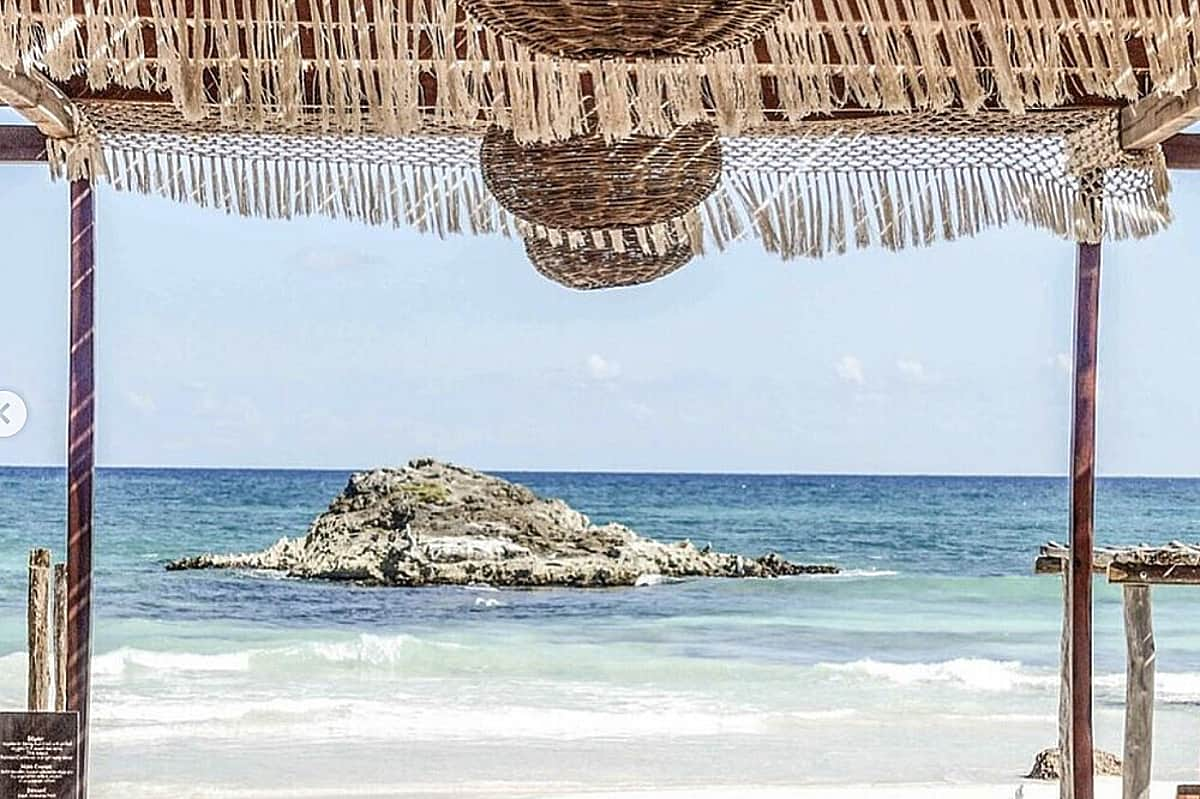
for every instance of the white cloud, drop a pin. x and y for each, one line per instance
(639, 410)
(600, 368)
(141, 402)
(850, 369)
(913, 370)
(1064, 362)
(335, 259)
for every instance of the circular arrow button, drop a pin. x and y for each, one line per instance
(13, 414)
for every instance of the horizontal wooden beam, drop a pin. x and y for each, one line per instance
(39, 101)
(21, 144)
(1147, 574)
(1155, 119)
(1182, 151)
(1050, 564)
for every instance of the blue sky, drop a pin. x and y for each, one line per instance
(232, 342)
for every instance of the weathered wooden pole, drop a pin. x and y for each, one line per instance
(60, 637)
(1066, 785)
(38, 618)
(1139, 693)
(81, 464)
(1083, 486)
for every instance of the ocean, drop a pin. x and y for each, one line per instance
(931, 660)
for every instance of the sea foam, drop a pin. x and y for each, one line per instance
(128, 659)
(974, 673)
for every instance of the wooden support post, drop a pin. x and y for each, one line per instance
(60, 637)
(38, 616)
(1065, 783)
(80, 466)
(1139, 693)
(1083, 485)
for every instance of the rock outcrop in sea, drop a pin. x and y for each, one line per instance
(434, 523)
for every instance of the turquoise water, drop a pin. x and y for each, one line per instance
(211, 683)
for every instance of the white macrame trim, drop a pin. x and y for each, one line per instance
(822, 188)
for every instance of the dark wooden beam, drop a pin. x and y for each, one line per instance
(1182, 151)
(21, 144)
(81, 464)
(1083, 484)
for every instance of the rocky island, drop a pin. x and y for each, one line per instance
(434, 523)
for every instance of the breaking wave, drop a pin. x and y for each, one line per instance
(974, 673)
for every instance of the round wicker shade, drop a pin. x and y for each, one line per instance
(628, 28)
(586, 183)
(588, 268)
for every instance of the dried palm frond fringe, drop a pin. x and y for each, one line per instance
(395, 67)
(824, 188)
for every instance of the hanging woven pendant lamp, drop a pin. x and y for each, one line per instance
(586, 183)
(588, 268)
(628, 28)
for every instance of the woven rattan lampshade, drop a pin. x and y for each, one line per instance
(586, 183)
(628, 28)
(588, 268)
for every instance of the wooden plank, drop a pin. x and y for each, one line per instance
(60, 637)
(1155, 119)
(1144, 574)
(39, 101)
(1083, 485)
(81, 464)
(38, 618)
(1139, 693)
(77, 89)
(1048, 564)
(1182, 151)
(20, 144)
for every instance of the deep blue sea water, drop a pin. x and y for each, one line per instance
(938, 629)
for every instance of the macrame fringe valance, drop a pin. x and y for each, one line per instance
(397, 67)
(825, 188)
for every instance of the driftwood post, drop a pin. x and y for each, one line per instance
(38, 615)
(1139, 693)
(1066, 785)
(60, 637)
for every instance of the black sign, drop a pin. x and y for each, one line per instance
(39, 755)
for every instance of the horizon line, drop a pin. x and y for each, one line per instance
(593, 470)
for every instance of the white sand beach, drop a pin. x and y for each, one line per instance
(1106, 788)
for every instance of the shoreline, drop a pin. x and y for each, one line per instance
(1106, 788)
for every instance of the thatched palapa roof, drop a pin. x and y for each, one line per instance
(845, 122)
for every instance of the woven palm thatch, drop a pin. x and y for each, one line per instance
(588, 268)
(397, 66)
(584, 29)
(586, 183)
